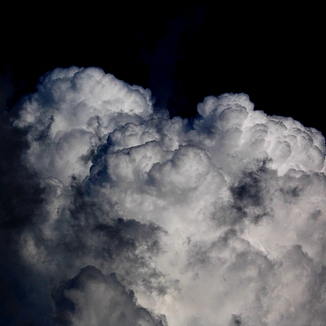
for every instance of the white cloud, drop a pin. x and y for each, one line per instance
(219, 223)
(72, 113)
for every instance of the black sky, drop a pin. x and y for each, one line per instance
(182, 53)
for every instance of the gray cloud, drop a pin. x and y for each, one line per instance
(90, 298)
(219, 221)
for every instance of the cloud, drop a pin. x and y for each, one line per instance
(90, 298)
(23, 296)
(70, 115)
(216, 221)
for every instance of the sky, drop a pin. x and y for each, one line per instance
(162, 166)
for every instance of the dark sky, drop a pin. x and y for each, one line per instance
(272, 53)
(92, 198)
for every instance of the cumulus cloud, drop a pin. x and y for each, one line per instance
(72, 113)
(147, 220)
(90, 298)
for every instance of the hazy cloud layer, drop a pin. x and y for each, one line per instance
(147, 220)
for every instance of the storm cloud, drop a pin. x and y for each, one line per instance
(136, 218)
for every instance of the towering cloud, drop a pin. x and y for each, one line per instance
(147, 220)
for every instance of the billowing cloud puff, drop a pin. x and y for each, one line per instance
(219, 221)
(90, 298)
(72, 113)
